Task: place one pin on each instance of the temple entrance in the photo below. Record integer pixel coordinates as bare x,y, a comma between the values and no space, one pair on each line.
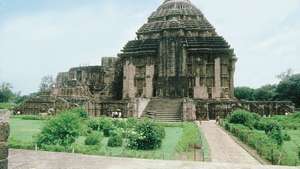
212,115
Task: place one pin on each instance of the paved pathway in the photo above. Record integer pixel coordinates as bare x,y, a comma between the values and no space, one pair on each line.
223,148
24,159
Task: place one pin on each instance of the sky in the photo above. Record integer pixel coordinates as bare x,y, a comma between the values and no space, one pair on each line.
44,37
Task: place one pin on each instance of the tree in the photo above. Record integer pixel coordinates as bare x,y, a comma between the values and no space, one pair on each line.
285,75
265,93
289,89
6,93
244,93
46,84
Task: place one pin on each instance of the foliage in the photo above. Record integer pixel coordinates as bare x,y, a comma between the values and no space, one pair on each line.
265,146
80,112
6,93
115,140
8,106
93,139
244,118
265,93
61,130
244,93
289,89
146,136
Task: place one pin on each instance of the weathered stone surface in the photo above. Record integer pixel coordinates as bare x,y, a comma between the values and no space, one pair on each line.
3,150
4,131
4,164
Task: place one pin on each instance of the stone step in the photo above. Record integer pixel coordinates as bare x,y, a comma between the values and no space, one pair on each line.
166,110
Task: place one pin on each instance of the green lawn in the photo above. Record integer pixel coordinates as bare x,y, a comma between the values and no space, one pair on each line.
6,106
292,148
23,132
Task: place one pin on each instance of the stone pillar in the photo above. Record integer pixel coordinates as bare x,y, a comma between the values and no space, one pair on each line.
216,93
232,77
129,90
184,57
189,110
148,90
4,133
200,92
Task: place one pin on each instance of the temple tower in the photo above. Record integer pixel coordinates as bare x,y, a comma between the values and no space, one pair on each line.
178,54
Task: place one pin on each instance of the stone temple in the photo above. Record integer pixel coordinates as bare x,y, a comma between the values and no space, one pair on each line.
178,54
178,68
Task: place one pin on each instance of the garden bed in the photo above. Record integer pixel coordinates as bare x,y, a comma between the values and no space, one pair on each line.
176,145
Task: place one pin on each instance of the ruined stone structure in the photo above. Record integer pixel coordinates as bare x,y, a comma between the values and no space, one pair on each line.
74,88
4,133
178,68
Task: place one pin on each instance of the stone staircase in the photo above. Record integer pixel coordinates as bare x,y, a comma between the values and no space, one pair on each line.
164,110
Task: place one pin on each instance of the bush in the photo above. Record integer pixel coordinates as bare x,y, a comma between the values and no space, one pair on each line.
61,130
244,118
115,141
105,123
146,136
93,124
80,112
264,145
93,139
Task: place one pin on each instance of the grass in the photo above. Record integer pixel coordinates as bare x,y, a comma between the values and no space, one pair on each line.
8,106
292,148
24,130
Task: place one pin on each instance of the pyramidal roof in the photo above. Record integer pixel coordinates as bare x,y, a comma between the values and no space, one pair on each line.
176,14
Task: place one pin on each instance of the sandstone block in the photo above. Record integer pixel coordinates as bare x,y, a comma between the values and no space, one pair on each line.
3,150
4,131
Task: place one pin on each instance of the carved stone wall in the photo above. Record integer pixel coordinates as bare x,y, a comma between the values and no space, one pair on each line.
211,109
129,89
189,110
4,133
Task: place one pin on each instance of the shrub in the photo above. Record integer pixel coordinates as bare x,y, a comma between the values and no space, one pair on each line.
93,139
115,141
265,146
105,123
93,123
146,136
80,112
120,123
61,130
244,118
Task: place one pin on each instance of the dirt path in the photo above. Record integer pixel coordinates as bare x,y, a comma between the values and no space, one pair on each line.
23,159
223,148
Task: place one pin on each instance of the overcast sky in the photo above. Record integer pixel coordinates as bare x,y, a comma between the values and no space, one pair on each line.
44,37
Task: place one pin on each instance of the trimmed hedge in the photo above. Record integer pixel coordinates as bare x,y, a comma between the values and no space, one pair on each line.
265,146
